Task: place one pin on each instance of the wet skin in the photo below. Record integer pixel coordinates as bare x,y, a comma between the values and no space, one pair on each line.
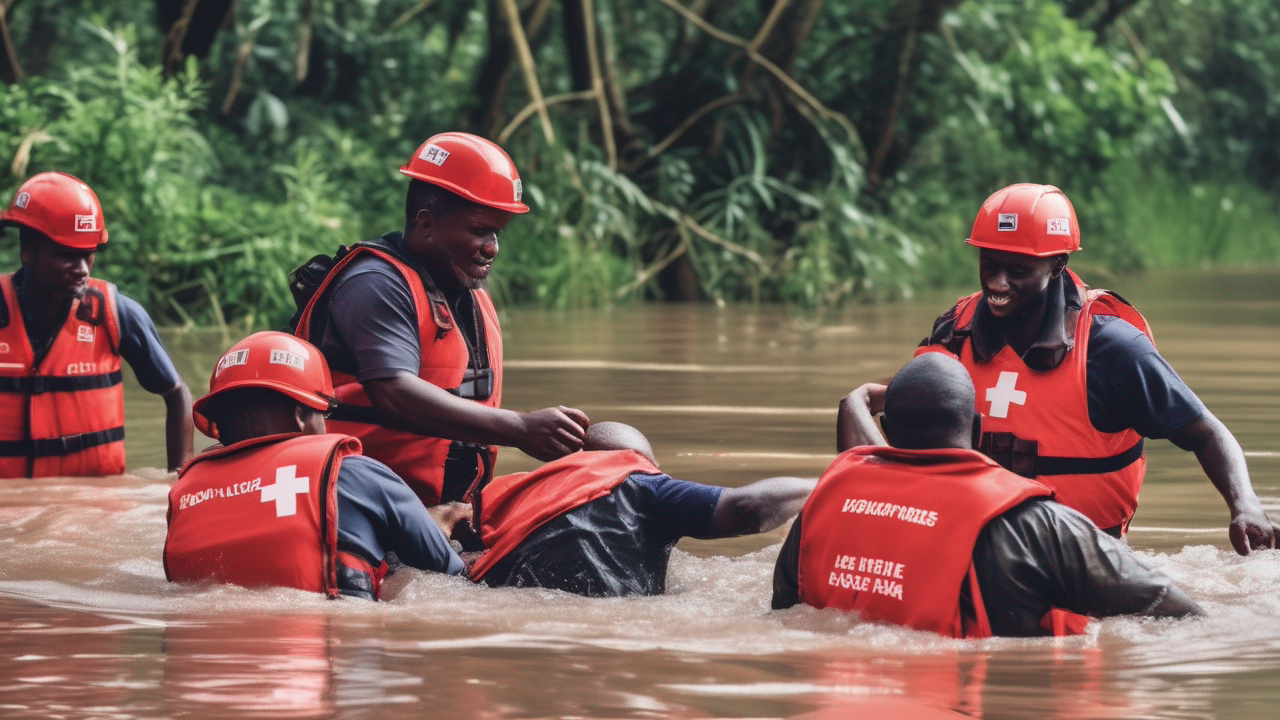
459,248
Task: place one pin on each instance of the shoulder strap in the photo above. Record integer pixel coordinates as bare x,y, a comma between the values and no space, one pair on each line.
1107,302
7,279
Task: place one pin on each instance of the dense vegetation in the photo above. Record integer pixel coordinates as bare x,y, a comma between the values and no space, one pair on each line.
809,151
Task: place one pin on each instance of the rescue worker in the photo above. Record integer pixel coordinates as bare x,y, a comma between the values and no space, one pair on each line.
602,522
282,502
62,337
1068,378
412,336
928,533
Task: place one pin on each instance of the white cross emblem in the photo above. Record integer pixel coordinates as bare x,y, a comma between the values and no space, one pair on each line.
1004,393
286,490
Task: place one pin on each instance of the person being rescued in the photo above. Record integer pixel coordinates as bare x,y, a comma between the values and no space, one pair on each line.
602,522
280,501
929,533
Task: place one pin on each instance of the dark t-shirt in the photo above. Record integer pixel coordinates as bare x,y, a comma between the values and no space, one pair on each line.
615,545
379,515
1034,556
1129,384
140,344
371,327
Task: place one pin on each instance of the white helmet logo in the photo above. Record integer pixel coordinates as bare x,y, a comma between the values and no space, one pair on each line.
22,199
86,223
1007,221
518,187
434,154
285,357
1058,226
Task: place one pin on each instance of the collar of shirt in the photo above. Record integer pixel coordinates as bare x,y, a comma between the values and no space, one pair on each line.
1057,334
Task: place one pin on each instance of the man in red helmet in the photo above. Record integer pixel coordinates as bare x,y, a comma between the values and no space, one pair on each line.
412,336
280,501
62,337
1069,381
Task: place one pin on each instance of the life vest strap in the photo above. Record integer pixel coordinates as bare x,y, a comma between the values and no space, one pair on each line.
37,384
65,445
1021,456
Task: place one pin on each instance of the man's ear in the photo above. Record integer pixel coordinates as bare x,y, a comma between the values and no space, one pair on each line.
976,440
300,417
1059,264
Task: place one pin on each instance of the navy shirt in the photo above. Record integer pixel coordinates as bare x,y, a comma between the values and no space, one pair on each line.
379,515
370,322
1034,556
140,344
1129,385
615,545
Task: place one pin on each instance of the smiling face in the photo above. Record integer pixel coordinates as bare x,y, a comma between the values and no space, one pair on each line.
458,248
57,270
1014,284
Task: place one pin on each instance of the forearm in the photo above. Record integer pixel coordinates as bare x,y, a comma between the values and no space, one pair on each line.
178,426
855,420
761,506
1224,464
415,404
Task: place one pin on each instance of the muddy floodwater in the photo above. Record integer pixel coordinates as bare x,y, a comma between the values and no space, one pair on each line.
90,629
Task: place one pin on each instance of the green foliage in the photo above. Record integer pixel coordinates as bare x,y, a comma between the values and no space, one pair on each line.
862,185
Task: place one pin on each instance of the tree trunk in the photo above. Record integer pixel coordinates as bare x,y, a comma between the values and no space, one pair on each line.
190,28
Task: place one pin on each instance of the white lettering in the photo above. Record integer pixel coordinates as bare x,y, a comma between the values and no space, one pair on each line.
905,513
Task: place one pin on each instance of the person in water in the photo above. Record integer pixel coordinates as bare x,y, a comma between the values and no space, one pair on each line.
280,501
63,335
929,533
603,521
1068,378
412,336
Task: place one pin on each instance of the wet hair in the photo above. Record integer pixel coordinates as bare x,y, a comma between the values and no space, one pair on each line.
929,404
617,436
434,199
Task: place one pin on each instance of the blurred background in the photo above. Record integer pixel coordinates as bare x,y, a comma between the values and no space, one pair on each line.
813,152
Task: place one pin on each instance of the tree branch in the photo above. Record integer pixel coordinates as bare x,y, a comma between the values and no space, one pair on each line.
795,88
530,71
10,66
528,110
597,84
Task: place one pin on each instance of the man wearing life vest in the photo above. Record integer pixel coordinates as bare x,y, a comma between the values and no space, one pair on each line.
62,337
931,534
412,336
602,522
282,502
1068,379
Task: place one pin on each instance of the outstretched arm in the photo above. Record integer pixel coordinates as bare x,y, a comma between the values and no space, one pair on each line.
1223,462
759,507
415,404
178,428
855,420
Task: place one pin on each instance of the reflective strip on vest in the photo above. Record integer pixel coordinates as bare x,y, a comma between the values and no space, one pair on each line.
1036,423
64,417
443,362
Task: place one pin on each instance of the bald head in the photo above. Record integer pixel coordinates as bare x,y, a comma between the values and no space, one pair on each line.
929,404
617,436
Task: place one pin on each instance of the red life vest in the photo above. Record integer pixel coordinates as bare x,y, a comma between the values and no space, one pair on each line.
1036,423
515,505
64,416
890,533
445,360
261,512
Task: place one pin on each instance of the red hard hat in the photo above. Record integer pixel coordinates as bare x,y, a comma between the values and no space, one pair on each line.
475,168
60,206
1027,219
275,361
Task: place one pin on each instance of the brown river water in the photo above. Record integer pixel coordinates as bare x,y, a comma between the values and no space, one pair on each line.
90,629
